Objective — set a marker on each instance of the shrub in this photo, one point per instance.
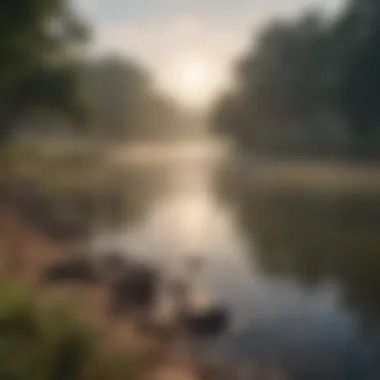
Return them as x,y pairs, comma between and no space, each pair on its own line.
52,343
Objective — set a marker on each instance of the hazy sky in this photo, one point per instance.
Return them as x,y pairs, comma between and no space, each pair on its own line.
185,41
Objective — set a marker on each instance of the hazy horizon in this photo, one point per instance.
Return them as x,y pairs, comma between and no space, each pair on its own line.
188,46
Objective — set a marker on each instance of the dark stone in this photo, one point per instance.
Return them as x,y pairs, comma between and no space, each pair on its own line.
135,289
72,271
210,323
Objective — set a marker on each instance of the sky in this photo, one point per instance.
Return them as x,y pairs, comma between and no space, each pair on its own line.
189,46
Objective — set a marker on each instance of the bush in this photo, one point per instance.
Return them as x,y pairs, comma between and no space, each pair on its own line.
51,343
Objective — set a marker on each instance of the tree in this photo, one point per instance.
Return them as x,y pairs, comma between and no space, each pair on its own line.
309,84
124,104
358,32
114,90
281,82
38,41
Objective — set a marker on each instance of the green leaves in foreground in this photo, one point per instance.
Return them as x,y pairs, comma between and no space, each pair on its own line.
50,344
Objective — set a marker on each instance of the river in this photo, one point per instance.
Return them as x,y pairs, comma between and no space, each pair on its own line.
299,269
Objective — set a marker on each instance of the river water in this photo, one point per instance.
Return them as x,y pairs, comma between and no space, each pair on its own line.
300,270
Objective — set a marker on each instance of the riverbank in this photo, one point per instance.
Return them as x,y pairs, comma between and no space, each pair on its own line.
310,175
26,250
145,182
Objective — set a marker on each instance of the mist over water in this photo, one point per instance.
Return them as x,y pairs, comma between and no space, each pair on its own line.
275,257
243,132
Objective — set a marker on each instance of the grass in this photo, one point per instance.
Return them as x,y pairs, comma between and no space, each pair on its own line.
317,176
53,343
73,179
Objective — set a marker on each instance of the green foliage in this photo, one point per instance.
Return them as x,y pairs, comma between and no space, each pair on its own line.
309,84
361,78
38,39
43,80
50,344
124,104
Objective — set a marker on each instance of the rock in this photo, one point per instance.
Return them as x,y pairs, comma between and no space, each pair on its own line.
77,270
135,290
207,323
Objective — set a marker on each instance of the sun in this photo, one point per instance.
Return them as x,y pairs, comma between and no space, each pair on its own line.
193,76
191,80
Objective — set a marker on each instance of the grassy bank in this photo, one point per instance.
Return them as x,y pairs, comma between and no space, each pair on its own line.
65,331
311,175
46,342
74,183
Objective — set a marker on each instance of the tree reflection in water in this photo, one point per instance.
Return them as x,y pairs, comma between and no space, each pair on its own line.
314,237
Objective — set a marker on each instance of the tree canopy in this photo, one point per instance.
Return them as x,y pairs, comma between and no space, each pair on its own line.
124,104
38,43
308,84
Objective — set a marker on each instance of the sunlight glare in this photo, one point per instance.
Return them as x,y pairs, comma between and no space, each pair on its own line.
194,75
193,80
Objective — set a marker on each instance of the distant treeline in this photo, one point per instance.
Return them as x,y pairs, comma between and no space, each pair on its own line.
309,85
49,85
123,103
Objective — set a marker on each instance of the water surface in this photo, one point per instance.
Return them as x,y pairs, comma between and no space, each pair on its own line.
300,269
